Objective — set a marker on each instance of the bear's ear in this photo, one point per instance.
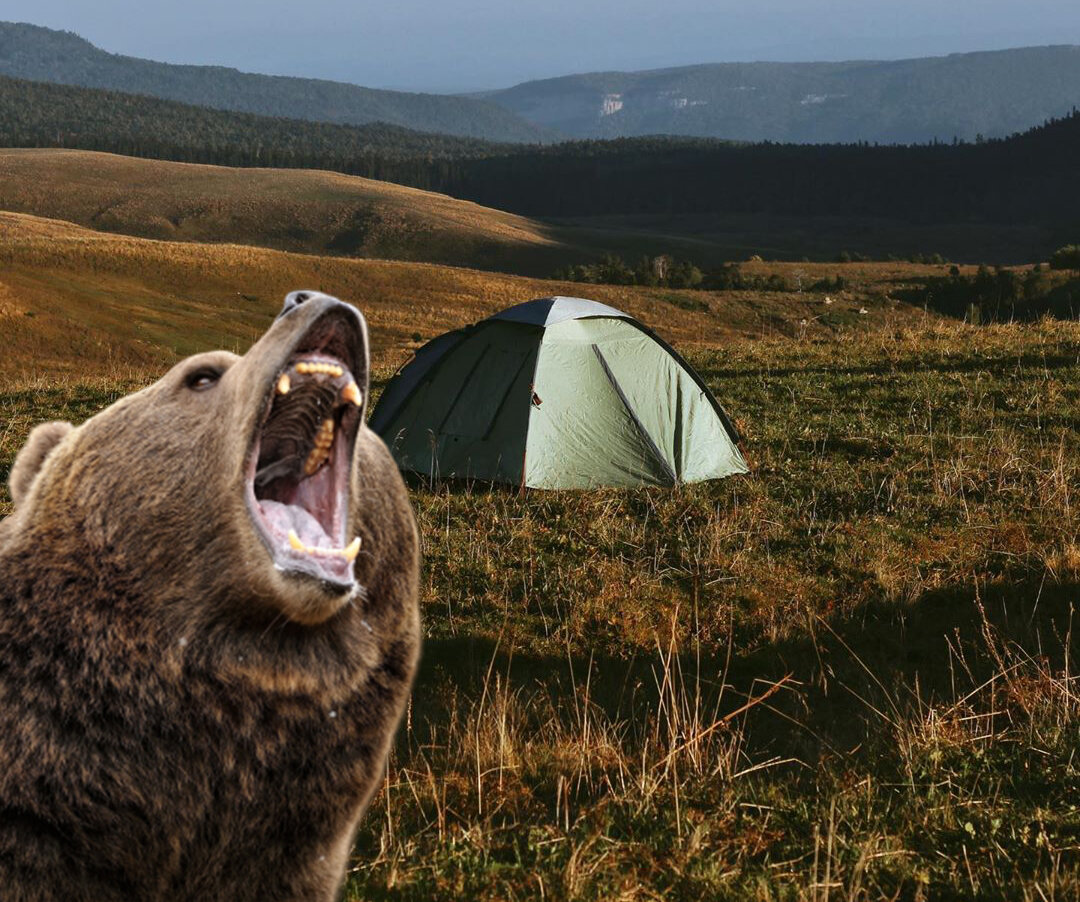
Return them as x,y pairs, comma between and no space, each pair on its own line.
42,439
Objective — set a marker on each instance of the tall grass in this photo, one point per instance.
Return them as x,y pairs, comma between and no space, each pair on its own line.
851,675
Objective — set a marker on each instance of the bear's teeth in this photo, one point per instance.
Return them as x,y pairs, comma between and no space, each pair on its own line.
314,461
327,369
284,384
349,552
351,393
324,438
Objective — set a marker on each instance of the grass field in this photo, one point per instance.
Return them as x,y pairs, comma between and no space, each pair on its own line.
849,675
599,717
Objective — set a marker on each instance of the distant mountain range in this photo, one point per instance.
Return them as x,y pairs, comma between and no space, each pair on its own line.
963,95
43,54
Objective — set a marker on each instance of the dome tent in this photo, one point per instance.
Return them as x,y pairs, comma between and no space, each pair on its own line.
556,393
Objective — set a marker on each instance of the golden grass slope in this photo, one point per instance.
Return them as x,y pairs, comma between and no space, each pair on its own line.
75,301
318,212
289,209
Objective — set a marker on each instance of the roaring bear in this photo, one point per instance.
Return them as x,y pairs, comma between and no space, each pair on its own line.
208,629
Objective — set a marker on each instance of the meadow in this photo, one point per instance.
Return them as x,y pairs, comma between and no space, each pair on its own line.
848,675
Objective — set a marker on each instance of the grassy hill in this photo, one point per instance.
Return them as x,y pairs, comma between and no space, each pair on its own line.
310,211
76,301
298,210
962,95
43,54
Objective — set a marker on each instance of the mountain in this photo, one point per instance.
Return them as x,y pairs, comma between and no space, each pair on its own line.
40,114
992,94
43,54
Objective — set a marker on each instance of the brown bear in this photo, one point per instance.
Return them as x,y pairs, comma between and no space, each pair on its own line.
208,629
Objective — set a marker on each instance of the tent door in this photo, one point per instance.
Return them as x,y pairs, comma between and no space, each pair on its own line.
475,408
642,431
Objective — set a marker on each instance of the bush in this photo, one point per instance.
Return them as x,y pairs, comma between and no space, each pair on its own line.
1067,257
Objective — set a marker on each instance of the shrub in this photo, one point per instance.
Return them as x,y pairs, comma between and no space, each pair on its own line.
1067,257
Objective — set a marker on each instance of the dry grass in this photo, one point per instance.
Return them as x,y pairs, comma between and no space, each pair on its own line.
77,301
296,210
849,676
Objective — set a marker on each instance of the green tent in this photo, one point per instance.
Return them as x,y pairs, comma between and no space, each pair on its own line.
556,393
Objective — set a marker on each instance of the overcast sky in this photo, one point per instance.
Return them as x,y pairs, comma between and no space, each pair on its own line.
459,45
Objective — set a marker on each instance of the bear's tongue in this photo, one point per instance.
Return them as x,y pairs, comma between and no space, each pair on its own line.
284,517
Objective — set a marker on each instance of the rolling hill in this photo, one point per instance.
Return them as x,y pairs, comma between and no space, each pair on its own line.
897,101
313,212
43,54
75,302
306,211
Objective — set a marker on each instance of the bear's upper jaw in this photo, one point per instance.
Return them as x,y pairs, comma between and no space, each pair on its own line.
298,488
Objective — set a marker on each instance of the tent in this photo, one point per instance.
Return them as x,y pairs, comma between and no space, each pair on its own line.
556,393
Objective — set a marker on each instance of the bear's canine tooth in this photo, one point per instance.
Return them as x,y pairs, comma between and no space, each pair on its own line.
284,384
349,552
351,392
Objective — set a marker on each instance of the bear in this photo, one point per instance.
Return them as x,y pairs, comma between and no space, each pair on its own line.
209,628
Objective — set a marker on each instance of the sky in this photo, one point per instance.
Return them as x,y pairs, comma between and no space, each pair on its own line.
472,45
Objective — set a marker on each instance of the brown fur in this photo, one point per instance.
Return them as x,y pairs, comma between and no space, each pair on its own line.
179,720
42,439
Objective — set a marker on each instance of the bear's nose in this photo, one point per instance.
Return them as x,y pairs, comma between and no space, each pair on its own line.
294,299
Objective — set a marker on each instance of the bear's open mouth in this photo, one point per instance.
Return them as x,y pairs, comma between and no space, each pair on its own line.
298,487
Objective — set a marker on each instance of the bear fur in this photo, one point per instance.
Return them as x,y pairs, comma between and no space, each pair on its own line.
180,718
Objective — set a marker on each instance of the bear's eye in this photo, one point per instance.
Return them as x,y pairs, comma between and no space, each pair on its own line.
203,378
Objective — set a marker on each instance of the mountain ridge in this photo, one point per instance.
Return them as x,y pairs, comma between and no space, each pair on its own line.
963,95
36,53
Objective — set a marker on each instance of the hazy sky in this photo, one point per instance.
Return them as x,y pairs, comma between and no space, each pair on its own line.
459,45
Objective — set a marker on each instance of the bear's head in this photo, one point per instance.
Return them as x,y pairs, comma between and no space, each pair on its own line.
231,480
